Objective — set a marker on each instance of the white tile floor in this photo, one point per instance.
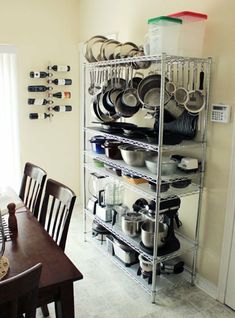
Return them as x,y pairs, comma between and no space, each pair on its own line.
106,292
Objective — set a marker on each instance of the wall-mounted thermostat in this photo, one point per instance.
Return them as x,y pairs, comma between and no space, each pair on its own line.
220,113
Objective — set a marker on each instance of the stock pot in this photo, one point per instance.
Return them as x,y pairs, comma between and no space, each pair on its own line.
148,231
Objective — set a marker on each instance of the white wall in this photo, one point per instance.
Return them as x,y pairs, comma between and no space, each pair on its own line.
45,32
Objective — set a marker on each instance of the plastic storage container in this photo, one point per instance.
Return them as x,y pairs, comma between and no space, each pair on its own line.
163,35
192,32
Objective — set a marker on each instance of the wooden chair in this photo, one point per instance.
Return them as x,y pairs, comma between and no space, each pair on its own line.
55,215
56,211
18,294
31,188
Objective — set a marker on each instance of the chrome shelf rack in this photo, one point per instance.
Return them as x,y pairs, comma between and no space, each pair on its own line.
187,245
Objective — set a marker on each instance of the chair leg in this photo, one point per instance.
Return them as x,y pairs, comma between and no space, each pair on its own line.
45,311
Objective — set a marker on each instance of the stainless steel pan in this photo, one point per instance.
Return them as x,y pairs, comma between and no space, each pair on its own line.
149,90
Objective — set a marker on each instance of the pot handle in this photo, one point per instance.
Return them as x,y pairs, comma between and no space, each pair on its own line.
108,147
114,216
101,198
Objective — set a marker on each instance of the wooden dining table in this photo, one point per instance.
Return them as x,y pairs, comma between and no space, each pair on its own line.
31,245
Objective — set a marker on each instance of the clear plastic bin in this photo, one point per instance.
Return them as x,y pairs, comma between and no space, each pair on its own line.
163,35
192,32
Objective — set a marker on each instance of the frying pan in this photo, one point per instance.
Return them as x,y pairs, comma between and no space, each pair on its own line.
116,126
129,96
136,79
124,110
95,106
137,132
118,84
127,102
149,90
107,105
101,113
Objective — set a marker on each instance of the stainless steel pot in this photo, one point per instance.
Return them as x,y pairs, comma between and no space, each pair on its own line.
145,264
168,166
132,155
148,231
131,223
112,150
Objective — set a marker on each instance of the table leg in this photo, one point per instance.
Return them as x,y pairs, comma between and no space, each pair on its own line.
64,307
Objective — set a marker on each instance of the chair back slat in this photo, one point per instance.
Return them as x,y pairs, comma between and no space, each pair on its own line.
56,217
50,214
31,189
56,210
33,193
62,221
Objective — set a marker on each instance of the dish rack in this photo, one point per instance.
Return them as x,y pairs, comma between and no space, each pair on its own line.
197,146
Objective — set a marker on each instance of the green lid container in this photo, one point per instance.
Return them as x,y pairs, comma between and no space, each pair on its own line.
164,20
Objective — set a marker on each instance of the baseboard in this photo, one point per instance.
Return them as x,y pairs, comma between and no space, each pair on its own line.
206,286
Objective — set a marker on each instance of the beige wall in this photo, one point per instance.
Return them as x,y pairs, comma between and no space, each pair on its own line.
129,19
49,31
45,32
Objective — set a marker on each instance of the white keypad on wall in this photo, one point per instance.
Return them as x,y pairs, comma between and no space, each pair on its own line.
220,113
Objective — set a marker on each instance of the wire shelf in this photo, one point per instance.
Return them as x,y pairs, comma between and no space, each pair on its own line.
163,281
148,58
186,244
140,171
143,143
144,189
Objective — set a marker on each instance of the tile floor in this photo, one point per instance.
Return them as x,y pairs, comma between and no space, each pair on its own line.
106,292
